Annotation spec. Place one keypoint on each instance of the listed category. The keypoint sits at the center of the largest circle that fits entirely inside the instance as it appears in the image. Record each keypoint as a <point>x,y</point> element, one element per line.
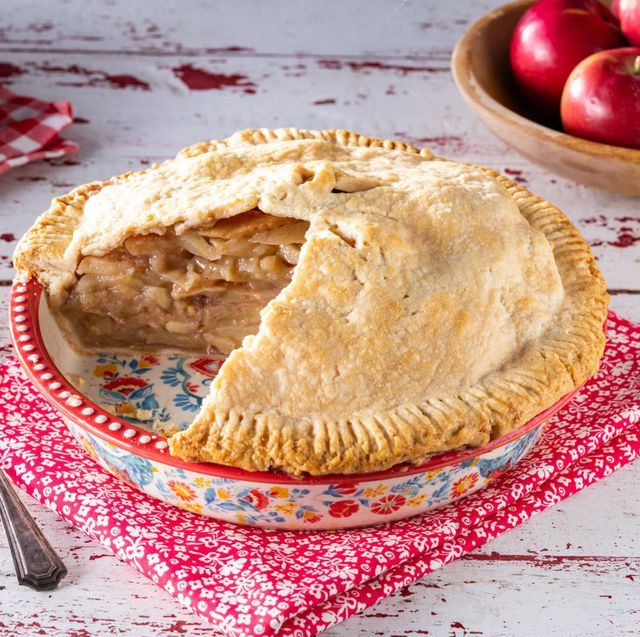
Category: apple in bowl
<point>550,39</point>
<point>601,99</point>
<point>628,12</point>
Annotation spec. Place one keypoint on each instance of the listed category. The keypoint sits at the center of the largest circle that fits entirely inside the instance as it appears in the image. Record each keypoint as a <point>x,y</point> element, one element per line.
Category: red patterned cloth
<point>29,129</point>
<point>259,582</point>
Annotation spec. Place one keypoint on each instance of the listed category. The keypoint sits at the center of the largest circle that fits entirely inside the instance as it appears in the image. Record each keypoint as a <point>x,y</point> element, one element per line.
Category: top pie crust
<point>435,304</point>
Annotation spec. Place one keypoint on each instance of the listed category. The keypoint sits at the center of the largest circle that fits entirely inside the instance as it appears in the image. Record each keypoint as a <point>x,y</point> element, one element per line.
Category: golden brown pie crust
<point>340,377</point>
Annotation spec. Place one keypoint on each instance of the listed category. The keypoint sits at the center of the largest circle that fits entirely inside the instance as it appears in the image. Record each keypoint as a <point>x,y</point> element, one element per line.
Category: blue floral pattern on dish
<point>149,390</point>
<point>284,505</point>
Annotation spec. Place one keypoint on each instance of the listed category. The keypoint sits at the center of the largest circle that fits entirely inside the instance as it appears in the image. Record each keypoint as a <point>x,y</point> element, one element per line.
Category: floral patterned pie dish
<point>99,396</point>
<point>291,306</point>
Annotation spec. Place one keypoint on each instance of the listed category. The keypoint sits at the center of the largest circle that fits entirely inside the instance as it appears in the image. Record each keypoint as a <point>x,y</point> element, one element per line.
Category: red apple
<point>601,100</point>
<point>548,42</point>
<point>628,12</point>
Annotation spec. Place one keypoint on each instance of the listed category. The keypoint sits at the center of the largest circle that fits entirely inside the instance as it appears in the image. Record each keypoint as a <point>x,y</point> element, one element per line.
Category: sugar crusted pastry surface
<point>432,304</point>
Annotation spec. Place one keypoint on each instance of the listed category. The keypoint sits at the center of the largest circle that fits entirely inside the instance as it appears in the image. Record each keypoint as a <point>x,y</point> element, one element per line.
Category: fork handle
<point>37,564</point>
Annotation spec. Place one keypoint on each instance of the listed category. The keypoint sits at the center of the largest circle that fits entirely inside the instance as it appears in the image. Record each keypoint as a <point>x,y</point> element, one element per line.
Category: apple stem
<point>636,66</point>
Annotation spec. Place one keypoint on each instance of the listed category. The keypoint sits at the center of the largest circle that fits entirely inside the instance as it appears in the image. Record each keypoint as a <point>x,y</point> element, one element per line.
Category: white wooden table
<point>145,79</point>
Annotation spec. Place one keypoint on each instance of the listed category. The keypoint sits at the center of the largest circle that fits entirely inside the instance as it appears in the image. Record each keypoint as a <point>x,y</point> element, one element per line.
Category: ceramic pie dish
<point>334,304</point>
<point>171,388</point>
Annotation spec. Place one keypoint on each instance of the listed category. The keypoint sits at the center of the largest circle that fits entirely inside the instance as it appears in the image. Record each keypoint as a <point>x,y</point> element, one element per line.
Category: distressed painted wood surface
<point>148,78</point>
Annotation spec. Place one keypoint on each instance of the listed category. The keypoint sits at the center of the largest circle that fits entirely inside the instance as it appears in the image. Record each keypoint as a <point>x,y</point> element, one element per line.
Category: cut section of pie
<point>376,304</point>
<point>201,290</point>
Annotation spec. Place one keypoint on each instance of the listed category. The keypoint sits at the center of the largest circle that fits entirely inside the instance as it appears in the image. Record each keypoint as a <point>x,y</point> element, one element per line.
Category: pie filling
<point>202,290</point>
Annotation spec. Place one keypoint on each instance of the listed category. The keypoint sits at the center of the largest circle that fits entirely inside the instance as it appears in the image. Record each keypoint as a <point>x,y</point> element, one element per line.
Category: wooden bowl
<point>482,72</point>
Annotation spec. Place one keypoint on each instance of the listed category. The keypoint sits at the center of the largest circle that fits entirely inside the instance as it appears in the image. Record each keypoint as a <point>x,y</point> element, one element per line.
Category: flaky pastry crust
<point>435,305</point>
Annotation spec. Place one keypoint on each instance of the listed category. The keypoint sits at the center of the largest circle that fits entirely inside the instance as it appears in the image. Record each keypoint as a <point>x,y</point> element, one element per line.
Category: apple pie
<point>376,304</point>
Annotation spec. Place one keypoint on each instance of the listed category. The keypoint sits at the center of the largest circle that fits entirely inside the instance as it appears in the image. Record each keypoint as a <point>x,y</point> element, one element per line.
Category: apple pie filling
<point>201,290</point>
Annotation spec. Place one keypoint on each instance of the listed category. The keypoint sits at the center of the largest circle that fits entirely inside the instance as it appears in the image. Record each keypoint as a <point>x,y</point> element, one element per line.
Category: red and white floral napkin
<point>29,129</point>
<point>259,582</point>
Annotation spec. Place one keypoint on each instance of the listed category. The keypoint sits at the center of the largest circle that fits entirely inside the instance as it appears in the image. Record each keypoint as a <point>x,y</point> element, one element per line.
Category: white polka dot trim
<point>114,426</point>
<point>162,444</point>
<point>87,411</point>
<point>144,439</point>
<point>129,433</point>
<point>100,419</point>
<point>20,299</point>
<point>21,328</point>
<point>74,402</point>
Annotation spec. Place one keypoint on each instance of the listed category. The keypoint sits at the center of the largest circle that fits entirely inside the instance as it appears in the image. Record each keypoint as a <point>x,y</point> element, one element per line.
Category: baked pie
<point>377,304</point>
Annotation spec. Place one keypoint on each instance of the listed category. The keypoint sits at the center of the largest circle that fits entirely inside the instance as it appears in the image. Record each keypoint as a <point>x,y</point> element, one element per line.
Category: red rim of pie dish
<point>59,392</point>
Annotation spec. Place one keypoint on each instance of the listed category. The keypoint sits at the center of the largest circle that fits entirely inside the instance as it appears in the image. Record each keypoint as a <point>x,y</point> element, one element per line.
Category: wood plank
<point>393,28</point>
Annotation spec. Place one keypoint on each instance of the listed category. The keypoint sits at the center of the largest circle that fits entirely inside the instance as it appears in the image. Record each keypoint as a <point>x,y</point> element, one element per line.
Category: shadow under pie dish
<point>376,304</point>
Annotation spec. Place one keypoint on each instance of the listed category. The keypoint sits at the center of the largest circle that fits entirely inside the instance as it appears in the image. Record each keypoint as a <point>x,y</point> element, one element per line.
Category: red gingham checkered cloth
<point>29,129</point>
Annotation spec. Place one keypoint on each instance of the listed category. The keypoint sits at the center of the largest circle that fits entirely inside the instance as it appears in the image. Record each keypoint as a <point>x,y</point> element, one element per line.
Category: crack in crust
<point>544,369</point>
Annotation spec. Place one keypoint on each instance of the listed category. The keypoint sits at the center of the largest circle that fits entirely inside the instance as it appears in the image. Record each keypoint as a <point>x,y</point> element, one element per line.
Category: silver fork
<point>37,564</point>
